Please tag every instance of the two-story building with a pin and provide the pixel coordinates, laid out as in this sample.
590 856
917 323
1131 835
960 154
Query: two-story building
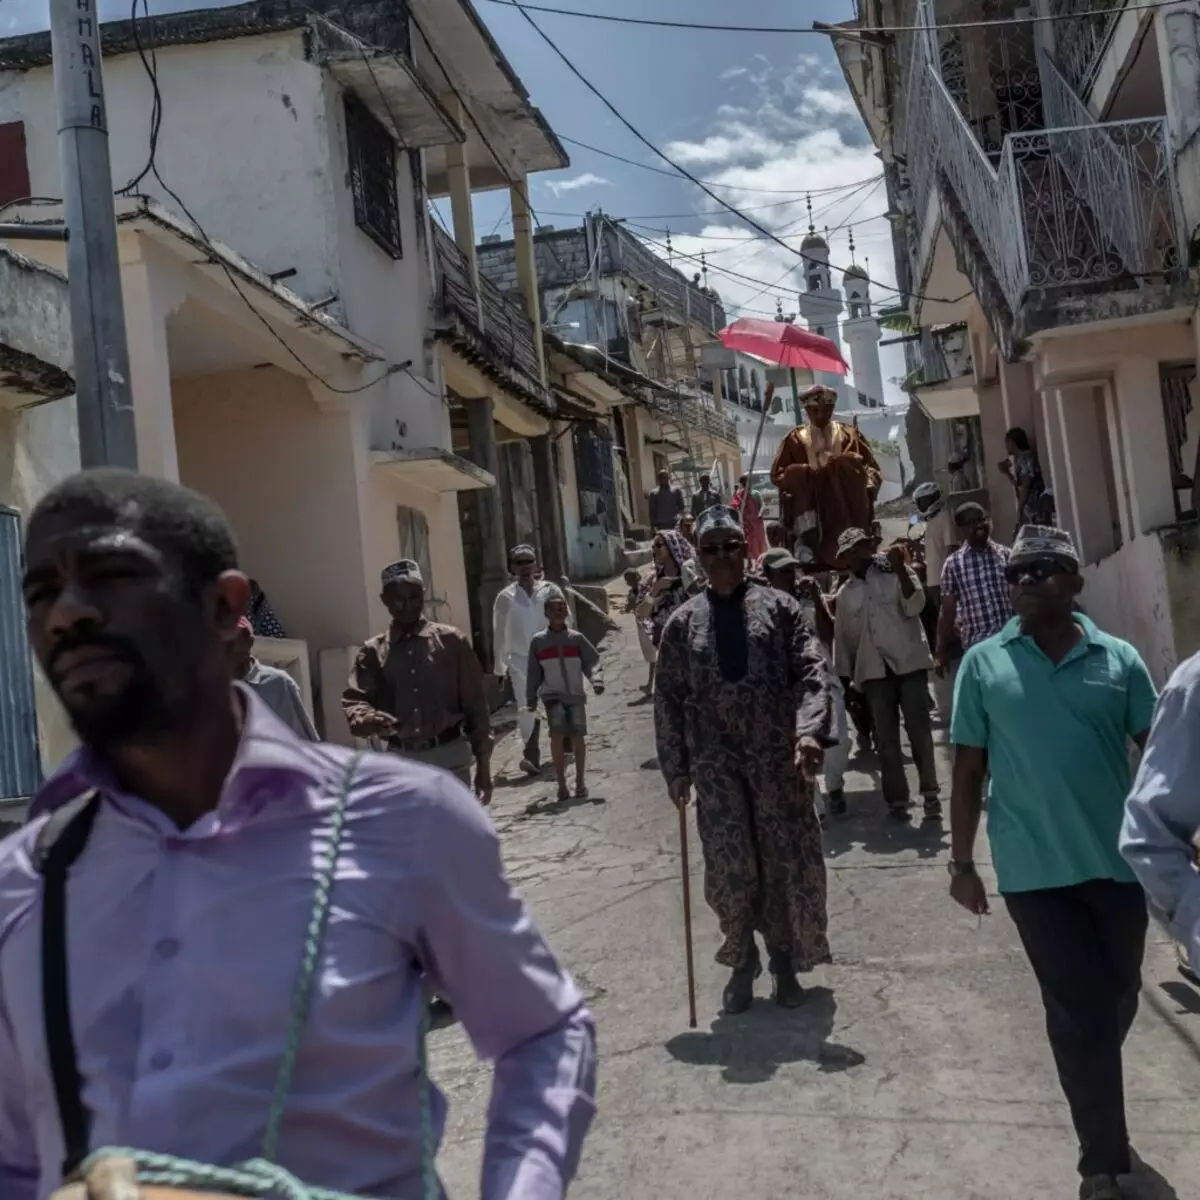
298 349
602 287
1044 179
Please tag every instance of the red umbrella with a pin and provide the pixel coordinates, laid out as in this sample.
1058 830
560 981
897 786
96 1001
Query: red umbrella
781 343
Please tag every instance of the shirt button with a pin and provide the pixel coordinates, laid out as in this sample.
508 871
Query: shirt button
167 947
160 1060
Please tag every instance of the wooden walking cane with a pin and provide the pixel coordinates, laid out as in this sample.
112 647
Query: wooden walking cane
687 915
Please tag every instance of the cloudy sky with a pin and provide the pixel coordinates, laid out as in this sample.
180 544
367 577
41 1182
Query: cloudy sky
766 115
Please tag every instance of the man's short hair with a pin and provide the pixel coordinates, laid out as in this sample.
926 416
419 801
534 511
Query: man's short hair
187 525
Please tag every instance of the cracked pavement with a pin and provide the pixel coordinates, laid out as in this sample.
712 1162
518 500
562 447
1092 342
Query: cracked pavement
918 1067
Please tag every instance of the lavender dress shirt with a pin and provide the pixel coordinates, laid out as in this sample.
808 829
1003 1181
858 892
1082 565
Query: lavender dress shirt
183 948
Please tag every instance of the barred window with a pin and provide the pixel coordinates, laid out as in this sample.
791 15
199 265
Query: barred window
373 177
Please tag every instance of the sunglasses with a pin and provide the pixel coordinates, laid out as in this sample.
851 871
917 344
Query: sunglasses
1034 572
729 549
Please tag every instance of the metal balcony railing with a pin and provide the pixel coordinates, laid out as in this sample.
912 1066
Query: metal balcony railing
500 329
1072 205
1081 39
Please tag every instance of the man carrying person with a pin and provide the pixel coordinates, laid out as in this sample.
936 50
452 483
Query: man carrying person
419 687
880 646
666 503
518 615
559 660
276 688
1048 706
782 572
742 712
827 476
164 873
705 496
975 596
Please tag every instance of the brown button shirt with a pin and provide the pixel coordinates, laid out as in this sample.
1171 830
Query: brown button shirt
429 680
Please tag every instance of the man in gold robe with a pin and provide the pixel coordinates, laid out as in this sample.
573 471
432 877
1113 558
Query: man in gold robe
827 477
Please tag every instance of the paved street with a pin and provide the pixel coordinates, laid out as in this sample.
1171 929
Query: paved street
918 1067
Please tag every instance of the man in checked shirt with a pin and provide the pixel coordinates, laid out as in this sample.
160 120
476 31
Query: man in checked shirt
975 597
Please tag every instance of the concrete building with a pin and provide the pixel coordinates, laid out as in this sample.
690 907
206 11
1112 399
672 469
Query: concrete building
296 350
601 287
1044 177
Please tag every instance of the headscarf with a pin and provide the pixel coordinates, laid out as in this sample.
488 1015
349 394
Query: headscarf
668 600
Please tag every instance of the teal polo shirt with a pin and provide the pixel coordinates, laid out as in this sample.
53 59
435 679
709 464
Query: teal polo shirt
1058 752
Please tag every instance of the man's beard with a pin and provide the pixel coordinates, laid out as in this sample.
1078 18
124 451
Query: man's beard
141 709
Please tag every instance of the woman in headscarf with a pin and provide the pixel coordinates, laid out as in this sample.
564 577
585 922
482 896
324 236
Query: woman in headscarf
749 504
675 577
742 713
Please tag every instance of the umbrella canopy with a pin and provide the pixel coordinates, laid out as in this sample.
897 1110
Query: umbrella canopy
781 343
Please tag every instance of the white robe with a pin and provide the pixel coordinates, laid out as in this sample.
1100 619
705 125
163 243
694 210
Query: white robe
516 619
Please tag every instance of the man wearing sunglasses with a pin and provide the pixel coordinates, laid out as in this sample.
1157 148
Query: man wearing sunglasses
742 712
1049 706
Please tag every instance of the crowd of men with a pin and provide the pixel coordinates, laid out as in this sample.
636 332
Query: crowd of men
201 796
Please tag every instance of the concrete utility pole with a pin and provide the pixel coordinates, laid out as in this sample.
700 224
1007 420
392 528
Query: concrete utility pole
103 394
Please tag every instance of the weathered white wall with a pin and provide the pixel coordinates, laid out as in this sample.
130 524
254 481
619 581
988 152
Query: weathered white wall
1126 595
287 475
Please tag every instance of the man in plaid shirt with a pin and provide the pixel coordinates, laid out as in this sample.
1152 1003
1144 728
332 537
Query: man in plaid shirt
975 596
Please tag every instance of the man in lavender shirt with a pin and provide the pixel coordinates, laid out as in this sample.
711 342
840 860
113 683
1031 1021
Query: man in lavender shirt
186 912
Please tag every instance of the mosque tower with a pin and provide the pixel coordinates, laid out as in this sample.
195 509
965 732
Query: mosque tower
861 331
820 301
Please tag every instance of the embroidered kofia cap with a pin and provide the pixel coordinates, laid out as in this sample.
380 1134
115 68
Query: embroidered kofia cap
851 538
716 519
404 571
1043 541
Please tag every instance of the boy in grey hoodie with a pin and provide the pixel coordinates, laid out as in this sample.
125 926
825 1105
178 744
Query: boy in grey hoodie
559 658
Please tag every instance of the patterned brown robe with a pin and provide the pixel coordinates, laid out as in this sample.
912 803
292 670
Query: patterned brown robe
764 865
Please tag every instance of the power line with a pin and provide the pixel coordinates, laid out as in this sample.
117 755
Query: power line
633 162
612 108
825 31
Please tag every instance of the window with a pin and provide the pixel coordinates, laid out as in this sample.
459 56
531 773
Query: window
413 528
373 177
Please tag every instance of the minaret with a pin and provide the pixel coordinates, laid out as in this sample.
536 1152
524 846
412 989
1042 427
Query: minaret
861 331
820 302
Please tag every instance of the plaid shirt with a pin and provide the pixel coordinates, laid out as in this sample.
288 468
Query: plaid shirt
975 578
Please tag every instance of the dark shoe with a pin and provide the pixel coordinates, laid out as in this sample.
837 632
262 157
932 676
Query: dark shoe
898 812
530 767
1100 1187
785 987
739 991
933 808
837 802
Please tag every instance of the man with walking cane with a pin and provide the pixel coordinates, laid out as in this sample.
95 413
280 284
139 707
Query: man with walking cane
742 712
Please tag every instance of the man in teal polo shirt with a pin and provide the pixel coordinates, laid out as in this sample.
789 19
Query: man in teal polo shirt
1048 706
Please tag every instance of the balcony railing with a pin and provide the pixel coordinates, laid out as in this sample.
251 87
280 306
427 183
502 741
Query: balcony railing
1075 205
496 329
1081 39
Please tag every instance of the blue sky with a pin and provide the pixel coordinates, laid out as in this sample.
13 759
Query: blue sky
755 111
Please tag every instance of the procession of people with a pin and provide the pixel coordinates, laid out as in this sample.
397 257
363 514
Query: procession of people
201 797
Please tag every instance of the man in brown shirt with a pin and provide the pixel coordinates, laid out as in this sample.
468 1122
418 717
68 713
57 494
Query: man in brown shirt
419 687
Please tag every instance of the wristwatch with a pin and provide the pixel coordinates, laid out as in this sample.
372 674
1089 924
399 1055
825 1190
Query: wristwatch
960 866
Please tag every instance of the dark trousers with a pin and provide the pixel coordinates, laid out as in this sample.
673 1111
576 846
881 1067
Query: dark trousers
889 699
1085 945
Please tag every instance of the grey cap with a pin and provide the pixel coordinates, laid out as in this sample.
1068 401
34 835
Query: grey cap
404 571
1043 541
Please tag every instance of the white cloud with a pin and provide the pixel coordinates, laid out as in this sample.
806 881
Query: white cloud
735 72
587 179
800 139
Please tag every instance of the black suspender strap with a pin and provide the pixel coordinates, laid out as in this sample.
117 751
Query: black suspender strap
61 841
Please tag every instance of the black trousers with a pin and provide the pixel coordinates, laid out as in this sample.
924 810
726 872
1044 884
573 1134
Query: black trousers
1085 944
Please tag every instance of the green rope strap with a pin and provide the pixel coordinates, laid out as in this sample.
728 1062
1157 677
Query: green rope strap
261 1177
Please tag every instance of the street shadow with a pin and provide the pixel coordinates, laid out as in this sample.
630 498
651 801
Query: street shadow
651 764
1185 996
639 701
869 827
1149 1184
752 1046
549 805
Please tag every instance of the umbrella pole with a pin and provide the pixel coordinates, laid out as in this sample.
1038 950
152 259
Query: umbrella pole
762 420
795 396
